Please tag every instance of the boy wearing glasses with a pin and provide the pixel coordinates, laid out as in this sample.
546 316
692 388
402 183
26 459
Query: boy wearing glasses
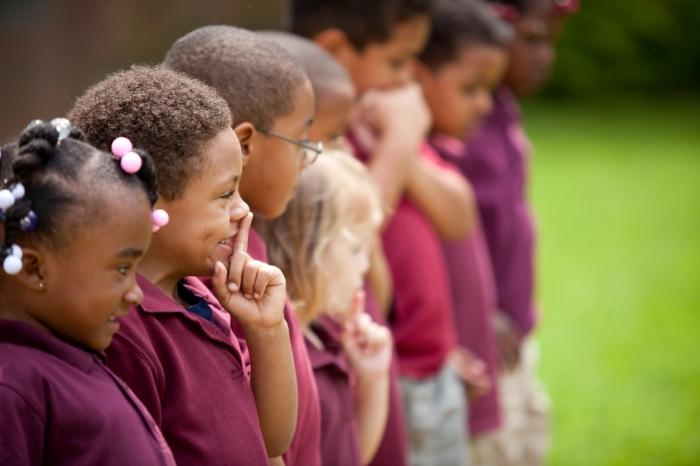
272 103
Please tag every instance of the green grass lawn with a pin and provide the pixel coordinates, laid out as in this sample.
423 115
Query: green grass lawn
617 193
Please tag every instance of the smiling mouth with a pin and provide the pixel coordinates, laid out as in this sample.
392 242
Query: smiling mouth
227 242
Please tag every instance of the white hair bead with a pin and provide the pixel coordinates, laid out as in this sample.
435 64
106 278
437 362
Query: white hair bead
7 199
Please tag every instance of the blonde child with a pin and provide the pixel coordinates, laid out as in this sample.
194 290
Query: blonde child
321 243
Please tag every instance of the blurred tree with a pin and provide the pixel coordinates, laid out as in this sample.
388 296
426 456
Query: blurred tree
640 46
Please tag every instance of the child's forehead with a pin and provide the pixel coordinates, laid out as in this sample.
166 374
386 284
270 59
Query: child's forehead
407 36
334 95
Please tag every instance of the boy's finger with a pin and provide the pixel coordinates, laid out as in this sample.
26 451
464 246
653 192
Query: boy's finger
250 275
266 274
218 280
235 269
241 242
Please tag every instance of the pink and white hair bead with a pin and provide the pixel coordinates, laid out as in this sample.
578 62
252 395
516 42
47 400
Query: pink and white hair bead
130 161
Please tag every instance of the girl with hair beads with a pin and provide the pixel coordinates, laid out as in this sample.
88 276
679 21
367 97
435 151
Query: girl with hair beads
321 243
63 286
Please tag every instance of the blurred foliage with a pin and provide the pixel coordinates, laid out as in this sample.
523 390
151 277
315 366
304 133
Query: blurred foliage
640 46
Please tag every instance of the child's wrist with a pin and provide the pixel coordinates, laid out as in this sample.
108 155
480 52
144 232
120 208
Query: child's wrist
266 332
369 378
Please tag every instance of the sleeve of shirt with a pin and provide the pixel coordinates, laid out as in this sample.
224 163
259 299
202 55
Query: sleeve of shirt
135 368
21 430
429 154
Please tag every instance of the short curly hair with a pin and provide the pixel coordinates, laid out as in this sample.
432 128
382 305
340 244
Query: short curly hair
364 22
166 113
255 75
323 70
462 23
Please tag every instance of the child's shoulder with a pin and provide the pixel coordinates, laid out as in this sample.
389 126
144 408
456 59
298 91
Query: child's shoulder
27 373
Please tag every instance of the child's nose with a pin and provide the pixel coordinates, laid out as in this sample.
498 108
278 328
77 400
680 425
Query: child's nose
134 295
239 209
485 102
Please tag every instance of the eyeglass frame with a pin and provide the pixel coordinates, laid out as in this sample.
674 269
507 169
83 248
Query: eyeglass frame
315 147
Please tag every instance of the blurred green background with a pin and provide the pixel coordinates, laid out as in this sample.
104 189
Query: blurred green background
616 184
616 187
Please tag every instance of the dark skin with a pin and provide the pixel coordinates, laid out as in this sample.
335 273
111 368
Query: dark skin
79 291
532 53
208 236
531 57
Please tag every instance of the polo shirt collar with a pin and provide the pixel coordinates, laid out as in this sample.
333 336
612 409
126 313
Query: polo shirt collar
328 331
23 334
155 300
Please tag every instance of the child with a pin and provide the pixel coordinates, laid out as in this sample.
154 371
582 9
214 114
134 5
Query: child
65 285
376 44
335 97
464 59
177 351
272 102
322 244
495 162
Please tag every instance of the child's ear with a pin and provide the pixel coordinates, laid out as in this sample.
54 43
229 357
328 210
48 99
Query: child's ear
246 134
335 42
33 273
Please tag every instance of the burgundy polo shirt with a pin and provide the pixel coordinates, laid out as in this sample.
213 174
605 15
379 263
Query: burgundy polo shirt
393 449
495 163
60 405
304 450
421 312
339 437
474 299
189 373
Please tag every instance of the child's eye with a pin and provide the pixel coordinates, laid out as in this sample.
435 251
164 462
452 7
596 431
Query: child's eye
397 63
228 194
123 269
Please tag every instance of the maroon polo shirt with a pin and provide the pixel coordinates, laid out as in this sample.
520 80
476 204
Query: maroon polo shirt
304 450
189 373
339 437
474 299
393 449
495 163
421 312
60 405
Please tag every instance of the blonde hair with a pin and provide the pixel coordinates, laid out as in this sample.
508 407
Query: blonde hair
334 193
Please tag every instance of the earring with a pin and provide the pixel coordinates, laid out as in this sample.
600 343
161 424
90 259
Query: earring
41 285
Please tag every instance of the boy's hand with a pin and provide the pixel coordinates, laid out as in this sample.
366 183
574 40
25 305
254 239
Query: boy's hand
507 340
472 371
252 291
401 112
367 345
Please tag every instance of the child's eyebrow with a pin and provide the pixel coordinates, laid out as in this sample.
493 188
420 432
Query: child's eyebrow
130 253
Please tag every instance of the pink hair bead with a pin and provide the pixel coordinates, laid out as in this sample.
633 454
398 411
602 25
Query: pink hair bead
121 146
131 162
160 218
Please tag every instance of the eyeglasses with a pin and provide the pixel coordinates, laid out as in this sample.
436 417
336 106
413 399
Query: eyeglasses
311 149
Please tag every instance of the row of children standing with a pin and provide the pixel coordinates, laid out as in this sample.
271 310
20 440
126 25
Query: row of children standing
196 334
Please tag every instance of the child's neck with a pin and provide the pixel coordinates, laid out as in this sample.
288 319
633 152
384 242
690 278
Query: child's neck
11 310
163 277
